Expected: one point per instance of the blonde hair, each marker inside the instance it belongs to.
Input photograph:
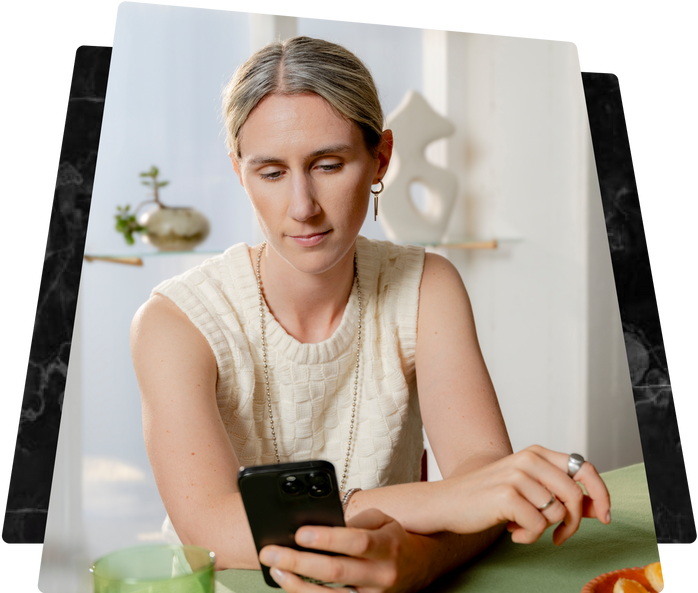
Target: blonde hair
(304, 65)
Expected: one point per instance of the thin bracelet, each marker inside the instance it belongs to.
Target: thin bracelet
(347, 496)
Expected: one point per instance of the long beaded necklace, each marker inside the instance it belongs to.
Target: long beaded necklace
(260, 295)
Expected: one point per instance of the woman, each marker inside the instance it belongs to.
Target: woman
(319, 343)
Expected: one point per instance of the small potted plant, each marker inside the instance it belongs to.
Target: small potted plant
(167, 228)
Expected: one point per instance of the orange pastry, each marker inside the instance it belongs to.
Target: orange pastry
(628, 586)
(653, 572)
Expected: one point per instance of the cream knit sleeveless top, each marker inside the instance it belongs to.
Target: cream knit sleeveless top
(311, 384)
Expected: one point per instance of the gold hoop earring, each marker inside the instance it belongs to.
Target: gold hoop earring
(375, 199)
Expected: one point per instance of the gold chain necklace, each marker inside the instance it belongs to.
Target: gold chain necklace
(260, 296)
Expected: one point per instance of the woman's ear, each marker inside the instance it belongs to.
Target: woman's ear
(236, 167)
(385, 152)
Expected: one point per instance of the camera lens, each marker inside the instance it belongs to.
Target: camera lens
(320, 491)
(292, 485)
(318, 478)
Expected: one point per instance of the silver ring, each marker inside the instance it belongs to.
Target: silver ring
(547, 504)
(350, 589)
(574, 462)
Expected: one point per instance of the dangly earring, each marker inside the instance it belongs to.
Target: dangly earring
(375, 199)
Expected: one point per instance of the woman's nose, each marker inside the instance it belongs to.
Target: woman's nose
(302, 205)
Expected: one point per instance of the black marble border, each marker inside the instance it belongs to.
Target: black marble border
(37, 438)
(649, 374)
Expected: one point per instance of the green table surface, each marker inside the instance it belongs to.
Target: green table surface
(541, 567)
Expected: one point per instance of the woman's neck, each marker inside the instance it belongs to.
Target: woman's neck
(308, 306)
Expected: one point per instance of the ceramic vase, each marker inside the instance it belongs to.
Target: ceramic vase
(174, 229)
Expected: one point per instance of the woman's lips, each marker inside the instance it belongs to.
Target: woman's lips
(309, 240)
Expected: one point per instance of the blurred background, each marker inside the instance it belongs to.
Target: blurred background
(544, 298)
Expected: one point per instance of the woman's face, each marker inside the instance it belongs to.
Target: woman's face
(308, 174)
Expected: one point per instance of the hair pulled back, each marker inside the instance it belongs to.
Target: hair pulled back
(304, 65)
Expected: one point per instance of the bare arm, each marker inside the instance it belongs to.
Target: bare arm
(457, 401)
(460, 413)
(192, 459)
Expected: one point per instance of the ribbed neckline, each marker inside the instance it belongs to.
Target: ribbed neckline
(277, 338)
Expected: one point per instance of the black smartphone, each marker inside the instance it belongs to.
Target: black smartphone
(282, 497)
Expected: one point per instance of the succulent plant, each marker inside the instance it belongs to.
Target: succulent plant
(127, 224)
(126, 221)
(154, 184)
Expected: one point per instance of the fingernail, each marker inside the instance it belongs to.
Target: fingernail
(305, 537)
(269, 557)
(608, 517)
(278, 575)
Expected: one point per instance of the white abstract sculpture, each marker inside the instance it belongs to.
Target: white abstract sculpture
(415, 124)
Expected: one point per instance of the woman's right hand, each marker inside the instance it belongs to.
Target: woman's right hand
(515, 488)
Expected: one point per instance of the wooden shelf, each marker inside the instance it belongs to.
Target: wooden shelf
(137, 259)
(491, 244)
(474, 244)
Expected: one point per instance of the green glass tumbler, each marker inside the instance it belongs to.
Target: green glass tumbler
(155, 569)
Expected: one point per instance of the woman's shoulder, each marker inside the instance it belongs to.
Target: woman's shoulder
(387, 260)
(215, 295)
(158, 311)
(158, 307)
(160, 323)
(438, 269)
(388, 249)
(216, 278)
(442, 291)
(393, 274)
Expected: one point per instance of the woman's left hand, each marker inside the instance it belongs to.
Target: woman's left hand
(378, 556)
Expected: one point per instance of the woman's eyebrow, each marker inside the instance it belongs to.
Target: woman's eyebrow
(331, 149)
(335, 148)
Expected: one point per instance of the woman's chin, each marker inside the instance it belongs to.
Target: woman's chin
(318, 259)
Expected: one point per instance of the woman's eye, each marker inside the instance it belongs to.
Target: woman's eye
(325, 168)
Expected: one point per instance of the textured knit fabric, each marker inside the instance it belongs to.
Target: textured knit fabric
(311, 384)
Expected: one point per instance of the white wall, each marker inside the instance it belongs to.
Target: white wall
(544, 302)
(516, 153)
